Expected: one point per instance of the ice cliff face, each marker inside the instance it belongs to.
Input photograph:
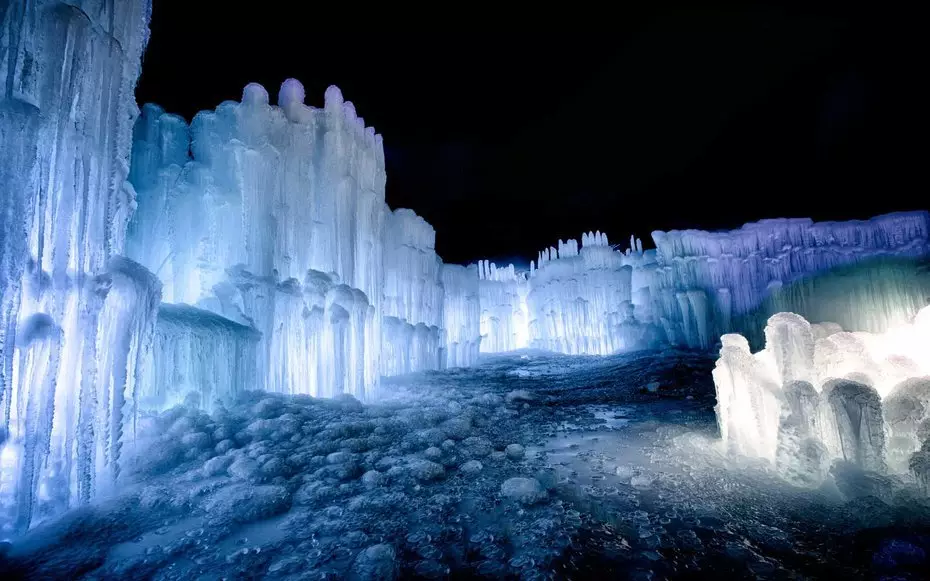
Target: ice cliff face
(82, 316)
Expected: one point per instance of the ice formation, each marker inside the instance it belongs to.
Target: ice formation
(461, 315)
(253, 249)
(81, 315)
(412, 338)
(198, 358)
(816, 394)
(582, 300)
(587, 298)
(706, 280)
(504, 316)
(273, 220)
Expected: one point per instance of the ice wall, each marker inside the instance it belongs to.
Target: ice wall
(871, 295)
(706, 280)
(275, 220)
(587, 298)
(581, 299)
(816, 394)
(461, 315)
(197, 358)
(412, 337)
(75, 318)
(504, 317)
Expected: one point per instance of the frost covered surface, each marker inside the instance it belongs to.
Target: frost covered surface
(530, 465)
(817, 394)
(707, 279)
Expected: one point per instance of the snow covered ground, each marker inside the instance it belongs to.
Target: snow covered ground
(530, 464)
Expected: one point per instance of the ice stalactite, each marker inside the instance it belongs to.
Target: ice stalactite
(198, 358)
(817, 394)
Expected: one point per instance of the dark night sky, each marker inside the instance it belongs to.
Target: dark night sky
(510, 139)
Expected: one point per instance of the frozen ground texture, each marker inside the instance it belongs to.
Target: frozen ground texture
(528, 465)
(817, 394)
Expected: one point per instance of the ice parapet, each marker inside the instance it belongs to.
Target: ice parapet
(706, 280)
(82, 314)
(816, 394)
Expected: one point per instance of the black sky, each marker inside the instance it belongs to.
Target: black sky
(507, 139)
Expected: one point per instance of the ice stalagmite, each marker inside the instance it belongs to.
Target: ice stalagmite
(81, 316)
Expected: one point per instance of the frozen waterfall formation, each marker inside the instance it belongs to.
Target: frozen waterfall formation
(76, 318)
(816, 394)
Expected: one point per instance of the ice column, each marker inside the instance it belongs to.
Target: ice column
(81, 317)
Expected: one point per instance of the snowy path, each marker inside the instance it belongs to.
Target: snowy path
(530, 465)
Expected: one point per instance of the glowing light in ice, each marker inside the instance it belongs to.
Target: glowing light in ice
(816, 393)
